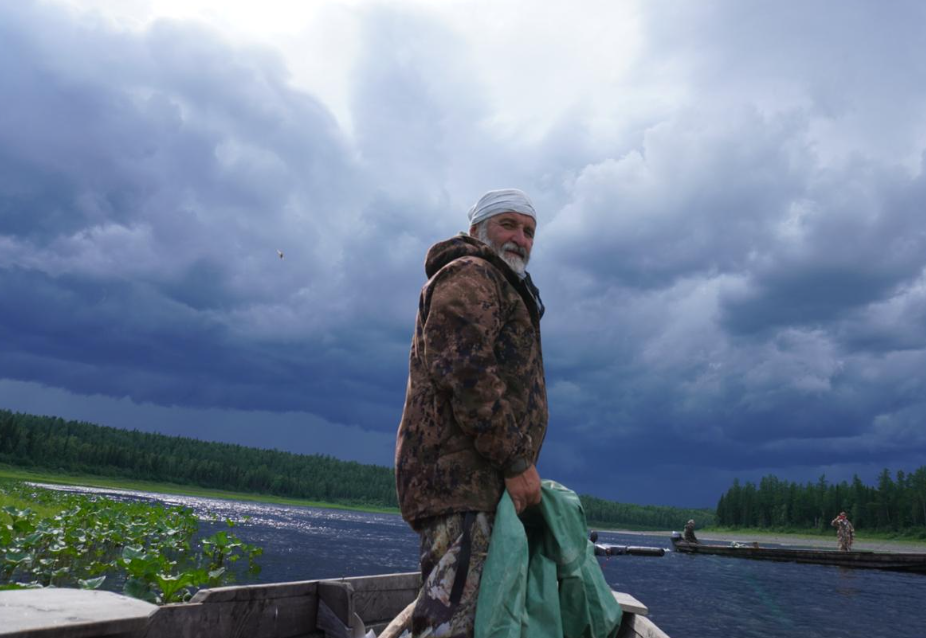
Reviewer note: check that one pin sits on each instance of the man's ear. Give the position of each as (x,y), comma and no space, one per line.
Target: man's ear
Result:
(472,230)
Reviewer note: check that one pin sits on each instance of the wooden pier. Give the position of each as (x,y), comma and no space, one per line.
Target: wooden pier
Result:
(912,563)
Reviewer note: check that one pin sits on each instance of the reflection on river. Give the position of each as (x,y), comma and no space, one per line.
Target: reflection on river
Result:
(688,596)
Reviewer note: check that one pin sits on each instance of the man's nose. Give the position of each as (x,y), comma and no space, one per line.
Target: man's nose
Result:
(520,238)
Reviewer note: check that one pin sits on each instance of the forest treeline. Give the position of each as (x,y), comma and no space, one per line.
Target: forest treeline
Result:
(74,446)
(896,504)
(643,517)
(54,444)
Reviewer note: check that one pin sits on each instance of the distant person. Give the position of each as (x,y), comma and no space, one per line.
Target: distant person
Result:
(475,406)
(845,533)
(600,550)
(689,532)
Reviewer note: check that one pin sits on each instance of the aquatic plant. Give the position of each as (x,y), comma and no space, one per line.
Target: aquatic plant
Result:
(146,550)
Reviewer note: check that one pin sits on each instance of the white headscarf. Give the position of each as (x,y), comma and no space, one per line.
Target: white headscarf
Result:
(506,200)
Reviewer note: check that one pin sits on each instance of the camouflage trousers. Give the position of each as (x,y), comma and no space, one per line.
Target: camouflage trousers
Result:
(844,541)
(446,605)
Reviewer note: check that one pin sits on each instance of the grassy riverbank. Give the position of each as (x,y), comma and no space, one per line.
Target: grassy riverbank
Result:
(828,533)
(60,478)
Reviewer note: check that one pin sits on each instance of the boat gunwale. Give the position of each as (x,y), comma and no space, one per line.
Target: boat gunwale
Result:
(263,610)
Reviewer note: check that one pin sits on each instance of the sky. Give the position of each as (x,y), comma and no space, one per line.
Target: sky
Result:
(731,240)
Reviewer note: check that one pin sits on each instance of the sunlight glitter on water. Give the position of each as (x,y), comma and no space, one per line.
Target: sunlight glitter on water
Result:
(207,507)
(300,543)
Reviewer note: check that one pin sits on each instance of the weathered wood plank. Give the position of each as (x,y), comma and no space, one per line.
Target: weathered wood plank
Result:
(329,622)
(376,599)
(375,606)
(395,627)
(290,617)
(281,610)
(386,582)
(256,592)
(71,613)
(339,596)
(634,626)
(630,604)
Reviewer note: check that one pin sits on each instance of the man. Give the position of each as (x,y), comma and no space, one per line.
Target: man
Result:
(845,532)
(600,550)
(475,407)
(689,532)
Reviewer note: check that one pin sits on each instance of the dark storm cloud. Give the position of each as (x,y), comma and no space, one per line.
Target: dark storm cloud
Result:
(850,241)
(734,272)
(745,287)
(150,180)
(698,198)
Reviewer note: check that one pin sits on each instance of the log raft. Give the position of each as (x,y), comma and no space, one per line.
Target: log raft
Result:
(911,563)
(336,608)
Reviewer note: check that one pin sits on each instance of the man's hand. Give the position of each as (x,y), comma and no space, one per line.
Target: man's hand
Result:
(524,489)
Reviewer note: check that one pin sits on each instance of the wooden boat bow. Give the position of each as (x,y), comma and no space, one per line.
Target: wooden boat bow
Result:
(332,608)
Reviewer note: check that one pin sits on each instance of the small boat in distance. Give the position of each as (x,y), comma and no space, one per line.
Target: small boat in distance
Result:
(893,561)
(357,607)
(631,550)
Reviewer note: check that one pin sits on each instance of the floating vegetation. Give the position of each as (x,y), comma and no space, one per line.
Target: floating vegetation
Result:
(145,550)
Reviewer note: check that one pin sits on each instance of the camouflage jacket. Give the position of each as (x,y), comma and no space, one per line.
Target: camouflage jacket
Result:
(476,401)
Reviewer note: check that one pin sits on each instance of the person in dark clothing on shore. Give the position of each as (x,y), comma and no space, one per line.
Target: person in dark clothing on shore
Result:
(845,533)
(689,532)
(600,550)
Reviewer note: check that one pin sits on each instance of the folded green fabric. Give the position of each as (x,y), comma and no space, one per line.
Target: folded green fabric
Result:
(541,578)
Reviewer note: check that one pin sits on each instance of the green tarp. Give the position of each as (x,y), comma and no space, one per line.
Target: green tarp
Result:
(541,578)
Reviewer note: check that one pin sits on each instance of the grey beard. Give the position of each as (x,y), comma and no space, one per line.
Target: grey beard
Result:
(517,264)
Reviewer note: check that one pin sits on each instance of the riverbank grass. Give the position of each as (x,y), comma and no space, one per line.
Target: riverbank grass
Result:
(918,539)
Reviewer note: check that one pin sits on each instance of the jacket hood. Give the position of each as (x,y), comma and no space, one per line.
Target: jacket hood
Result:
(444,252)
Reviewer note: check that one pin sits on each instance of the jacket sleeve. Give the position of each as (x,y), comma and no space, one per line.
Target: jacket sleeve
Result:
(460,332)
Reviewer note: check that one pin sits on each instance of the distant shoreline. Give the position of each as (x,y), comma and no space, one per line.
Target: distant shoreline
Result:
(22,474)
(796,539)
(105,482)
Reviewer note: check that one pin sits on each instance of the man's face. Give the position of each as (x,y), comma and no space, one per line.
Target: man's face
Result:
(511,235)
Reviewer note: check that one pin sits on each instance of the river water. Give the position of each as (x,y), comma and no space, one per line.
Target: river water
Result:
(688,596)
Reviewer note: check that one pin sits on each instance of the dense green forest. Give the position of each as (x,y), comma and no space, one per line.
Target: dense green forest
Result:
(72,446)
(52,443)
(897,504)
(643,517)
